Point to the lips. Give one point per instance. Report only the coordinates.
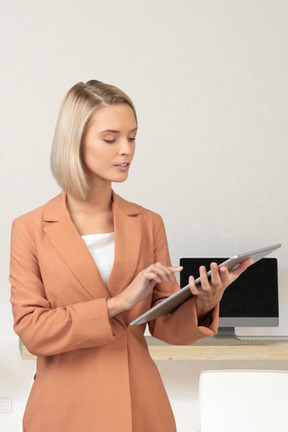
(123, 167)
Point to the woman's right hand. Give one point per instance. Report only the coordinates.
(141, 287)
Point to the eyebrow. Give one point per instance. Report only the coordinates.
(117, 131)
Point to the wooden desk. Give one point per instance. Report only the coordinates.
(211, 348)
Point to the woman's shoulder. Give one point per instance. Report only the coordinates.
(34, 216)
(133, 208)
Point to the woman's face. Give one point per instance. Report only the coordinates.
(109, 144)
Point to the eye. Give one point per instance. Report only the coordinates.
(131, 139)
(109, 141)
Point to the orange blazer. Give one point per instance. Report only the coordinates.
(93, 374)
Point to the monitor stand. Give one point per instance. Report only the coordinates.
(226, 332)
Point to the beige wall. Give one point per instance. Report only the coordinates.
(209, 80)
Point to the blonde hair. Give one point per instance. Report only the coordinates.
(78, 107)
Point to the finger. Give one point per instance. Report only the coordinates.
(205, 285)
(162, 271)
(240, 269)
(215, 276)
(225, 276)
(150, 275)
(165, 272)
(193, 287)
(176, 269)
(171, 270)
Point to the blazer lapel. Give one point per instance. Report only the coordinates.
(128, 232)
(66, 239)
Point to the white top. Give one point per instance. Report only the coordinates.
(101, 248)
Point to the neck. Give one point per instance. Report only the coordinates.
(98, 199)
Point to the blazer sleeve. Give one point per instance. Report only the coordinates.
(180, 327)
(44, 330)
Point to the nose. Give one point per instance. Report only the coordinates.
(125, 146)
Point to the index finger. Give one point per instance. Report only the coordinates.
(176, 269)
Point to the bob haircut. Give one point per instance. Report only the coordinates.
(77, 110)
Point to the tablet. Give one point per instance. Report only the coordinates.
(171, 303)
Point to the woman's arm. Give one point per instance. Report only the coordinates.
(141, 287)
(43, 329)
(198, 316)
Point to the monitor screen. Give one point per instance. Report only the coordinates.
(250, 301)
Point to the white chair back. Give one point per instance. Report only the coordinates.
(243, 401)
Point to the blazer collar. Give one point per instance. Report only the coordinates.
(67, 240)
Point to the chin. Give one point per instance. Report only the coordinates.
(120, 178)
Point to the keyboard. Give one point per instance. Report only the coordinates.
(263, 338)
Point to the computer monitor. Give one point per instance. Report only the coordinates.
(250, 301)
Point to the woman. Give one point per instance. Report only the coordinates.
(94, 372)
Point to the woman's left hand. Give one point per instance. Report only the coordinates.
(210, 292)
